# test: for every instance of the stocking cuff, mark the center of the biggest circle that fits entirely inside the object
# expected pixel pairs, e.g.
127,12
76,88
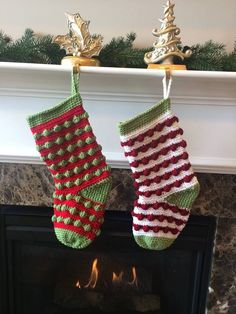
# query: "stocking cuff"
54,112
144,118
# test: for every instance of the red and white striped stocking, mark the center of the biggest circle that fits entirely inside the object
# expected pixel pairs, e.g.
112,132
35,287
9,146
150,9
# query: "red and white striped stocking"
164,179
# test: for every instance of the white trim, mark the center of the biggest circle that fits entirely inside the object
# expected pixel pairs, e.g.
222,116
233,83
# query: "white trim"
25,84
117,161
118,97
116,71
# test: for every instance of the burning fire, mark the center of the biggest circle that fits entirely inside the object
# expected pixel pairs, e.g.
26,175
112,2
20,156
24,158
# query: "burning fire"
134,281
78,285
117,279
94,276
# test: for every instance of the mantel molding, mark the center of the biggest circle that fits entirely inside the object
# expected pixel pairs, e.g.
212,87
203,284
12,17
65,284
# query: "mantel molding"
201,165
204,101
117,97
202,87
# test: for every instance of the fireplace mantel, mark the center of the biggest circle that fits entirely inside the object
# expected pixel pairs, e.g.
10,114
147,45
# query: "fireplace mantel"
204,101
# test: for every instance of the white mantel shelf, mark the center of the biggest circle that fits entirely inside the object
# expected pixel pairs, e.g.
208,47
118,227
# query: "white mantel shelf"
205,102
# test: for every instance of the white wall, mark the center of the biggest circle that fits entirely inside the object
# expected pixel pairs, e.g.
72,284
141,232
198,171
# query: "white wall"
199,20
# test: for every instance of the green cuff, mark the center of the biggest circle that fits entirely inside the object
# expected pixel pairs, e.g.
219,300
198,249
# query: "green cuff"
144,118
55,112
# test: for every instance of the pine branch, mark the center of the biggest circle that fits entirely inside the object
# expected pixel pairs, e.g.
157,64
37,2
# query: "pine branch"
229,63
30,48
207,57
120,53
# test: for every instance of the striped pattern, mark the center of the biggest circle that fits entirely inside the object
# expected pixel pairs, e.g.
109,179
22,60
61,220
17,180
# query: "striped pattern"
164,180
66,143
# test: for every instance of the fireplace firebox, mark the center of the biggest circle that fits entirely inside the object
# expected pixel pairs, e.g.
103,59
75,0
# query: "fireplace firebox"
38,275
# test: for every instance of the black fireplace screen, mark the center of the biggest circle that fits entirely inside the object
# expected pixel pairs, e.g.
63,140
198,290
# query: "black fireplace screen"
113,275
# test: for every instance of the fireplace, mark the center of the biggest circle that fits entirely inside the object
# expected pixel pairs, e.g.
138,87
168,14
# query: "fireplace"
113,275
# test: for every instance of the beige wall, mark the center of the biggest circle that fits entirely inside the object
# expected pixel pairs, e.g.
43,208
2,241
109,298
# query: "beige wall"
199,20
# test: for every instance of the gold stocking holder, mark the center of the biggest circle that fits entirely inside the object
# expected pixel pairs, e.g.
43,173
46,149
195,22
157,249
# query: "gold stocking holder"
166,47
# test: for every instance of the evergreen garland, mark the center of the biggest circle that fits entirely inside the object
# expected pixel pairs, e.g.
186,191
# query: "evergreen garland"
207,57
230,61
121,53
30,48
36,48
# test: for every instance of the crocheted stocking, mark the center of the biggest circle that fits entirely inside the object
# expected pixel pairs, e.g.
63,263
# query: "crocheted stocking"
164,179
82,179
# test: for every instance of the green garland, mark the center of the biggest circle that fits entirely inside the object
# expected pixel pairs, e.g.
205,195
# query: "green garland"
121,53
30,48
35,48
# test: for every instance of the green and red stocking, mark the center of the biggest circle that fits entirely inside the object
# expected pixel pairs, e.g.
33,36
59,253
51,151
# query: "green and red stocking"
66,143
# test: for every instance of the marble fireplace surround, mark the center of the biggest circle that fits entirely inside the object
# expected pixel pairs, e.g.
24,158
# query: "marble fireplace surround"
206,105
24,184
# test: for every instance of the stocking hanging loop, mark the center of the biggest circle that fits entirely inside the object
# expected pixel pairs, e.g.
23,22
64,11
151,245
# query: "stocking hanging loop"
167,81
75,81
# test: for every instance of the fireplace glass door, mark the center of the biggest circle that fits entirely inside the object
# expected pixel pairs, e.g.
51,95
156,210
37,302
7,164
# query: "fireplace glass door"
113,275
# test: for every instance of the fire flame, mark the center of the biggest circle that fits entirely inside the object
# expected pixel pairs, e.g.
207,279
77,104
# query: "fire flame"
117,279
134,281
94,276
78,285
